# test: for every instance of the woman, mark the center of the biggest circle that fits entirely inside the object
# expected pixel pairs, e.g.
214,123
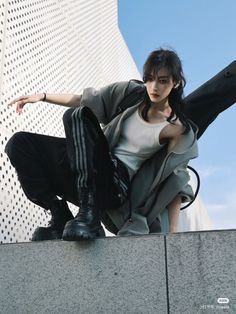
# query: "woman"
125,174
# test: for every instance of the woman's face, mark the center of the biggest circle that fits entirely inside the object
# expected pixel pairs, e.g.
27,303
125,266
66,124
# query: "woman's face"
159,86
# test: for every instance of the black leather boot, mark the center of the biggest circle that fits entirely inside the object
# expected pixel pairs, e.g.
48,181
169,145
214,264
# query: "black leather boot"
60,215
86,224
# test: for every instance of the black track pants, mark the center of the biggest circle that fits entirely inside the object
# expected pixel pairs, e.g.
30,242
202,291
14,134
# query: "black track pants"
90,159
48,166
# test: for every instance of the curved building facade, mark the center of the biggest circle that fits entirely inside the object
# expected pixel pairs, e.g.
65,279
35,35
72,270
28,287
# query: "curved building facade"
50,46
54,46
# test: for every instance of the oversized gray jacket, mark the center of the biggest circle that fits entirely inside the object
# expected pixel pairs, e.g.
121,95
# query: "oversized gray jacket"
161,177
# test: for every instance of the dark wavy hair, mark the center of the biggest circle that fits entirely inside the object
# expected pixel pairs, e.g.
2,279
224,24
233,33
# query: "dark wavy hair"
169,59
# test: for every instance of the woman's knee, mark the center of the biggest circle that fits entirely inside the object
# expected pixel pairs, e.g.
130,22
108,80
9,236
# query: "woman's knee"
81,113
13,142
67,116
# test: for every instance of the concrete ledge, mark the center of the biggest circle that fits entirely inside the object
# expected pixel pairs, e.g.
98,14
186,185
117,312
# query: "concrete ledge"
202,269
179,273
111,275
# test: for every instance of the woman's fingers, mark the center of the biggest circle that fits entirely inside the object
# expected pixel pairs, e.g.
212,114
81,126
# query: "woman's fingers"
19,106
22,100
17,100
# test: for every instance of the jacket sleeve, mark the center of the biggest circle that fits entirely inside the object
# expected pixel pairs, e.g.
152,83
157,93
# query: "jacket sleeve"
105,101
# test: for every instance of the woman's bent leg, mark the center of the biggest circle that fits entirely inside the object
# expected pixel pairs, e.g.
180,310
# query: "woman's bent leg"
213,97
44,172
90,159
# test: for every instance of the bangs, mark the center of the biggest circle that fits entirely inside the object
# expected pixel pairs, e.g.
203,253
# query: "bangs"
159,59
152,68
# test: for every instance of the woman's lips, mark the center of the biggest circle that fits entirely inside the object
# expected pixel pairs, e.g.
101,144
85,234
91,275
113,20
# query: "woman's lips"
154,95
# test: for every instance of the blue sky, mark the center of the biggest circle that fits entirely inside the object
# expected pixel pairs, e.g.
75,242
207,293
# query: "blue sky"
203,34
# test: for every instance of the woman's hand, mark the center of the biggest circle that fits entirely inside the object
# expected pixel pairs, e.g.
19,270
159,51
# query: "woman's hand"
23,100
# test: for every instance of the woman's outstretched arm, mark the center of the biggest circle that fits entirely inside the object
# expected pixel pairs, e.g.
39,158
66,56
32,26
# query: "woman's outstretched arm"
68,100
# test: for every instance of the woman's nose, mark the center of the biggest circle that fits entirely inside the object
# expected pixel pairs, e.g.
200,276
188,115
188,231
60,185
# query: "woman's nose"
155,85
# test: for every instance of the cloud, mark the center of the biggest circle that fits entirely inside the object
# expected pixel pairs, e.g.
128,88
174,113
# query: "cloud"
223,214
228,201
216,208
212,171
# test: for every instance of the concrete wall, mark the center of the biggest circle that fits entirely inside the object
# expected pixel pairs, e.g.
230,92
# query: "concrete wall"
179,273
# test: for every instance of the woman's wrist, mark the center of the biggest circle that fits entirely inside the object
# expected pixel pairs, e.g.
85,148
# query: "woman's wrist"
44,95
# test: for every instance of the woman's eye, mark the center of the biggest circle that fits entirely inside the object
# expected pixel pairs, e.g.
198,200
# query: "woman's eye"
163,81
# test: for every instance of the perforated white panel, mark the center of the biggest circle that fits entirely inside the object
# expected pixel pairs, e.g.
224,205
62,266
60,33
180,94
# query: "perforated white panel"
56,46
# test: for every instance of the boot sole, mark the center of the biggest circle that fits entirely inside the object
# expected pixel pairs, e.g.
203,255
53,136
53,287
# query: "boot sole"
75,231
43,234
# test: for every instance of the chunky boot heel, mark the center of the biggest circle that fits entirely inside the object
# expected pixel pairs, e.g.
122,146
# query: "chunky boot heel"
101,232
86,224
77,230
61,214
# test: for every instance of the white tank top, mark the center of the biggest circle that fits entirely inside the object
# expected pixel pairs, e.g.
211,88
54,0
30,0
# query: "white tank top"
138,141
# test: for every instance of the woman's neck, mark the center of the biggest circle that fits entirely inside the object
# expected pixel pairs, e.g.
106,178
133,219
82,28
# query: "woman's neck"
161,105
161,109
158,112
